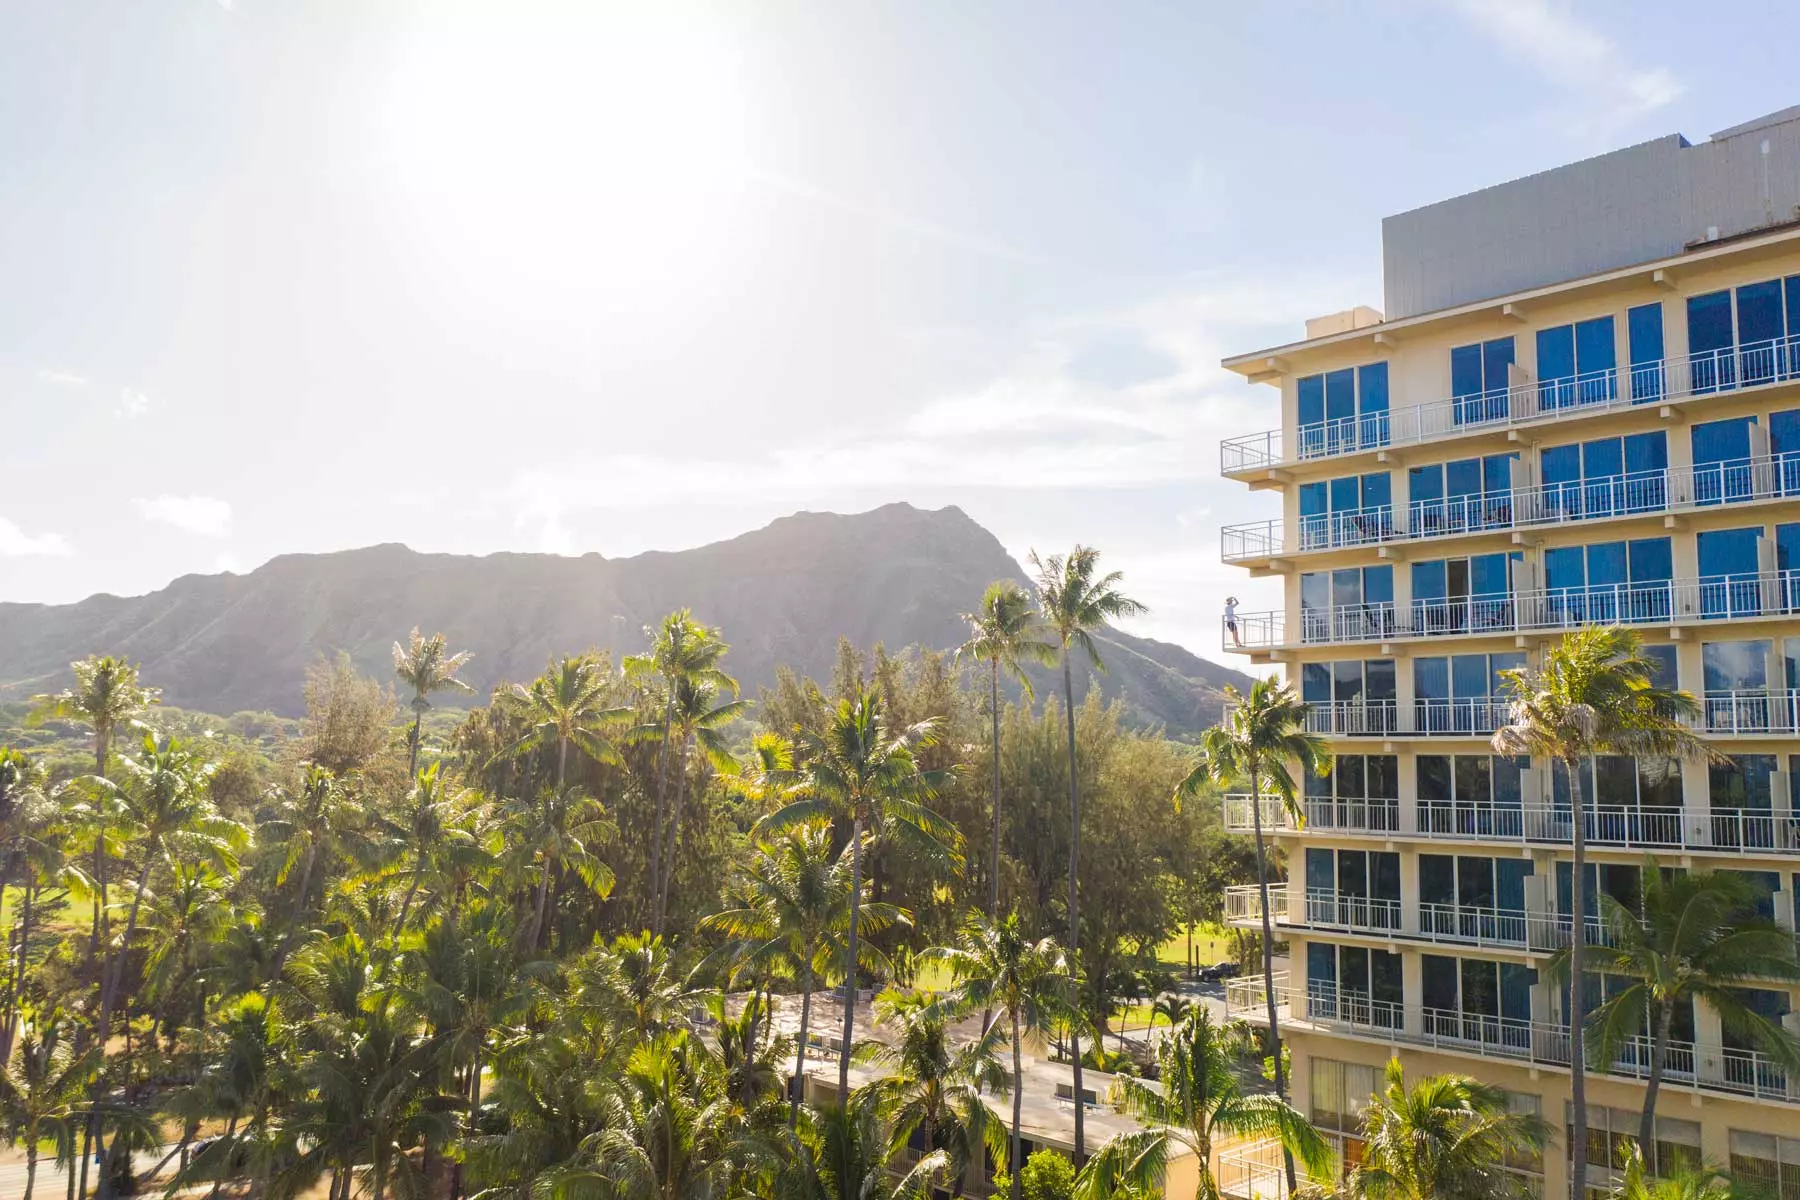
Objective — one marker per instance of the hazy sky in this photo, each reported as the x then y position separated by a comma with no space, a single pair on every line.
285,276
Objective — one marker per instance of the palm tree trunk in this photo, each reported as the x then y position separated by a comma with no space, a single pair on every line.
1577,1000
12,996
1018,1099
662,776
1074,911
31,1153
412,759
681,786
412,890
798,1084
1262,882
856,829
306,871
1659,1055
994,872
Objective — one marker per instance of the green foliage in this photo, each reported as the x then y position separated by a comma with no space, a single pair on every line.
1046,1175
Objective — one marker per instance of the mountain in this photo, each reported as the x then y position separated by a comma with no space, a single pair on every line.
782,594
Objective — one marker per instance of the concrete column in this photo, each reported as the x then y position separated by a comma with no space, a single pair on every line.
1697,803
1409,804
1404,696
1409,896
1709,1043
1412,989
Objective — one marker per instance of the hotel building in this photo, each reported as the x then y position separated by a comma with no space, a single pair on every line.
1582,405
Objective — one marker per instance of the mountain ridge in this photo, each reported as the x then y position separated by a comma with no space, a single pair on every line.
783,594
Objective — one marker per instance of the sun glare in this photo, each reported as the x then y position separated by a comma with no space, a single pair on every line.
597,171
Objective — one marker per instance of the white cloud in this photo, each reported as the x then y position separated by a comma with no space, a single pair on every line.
1041,423
202,515
16,543
61,378
134,404
1577,57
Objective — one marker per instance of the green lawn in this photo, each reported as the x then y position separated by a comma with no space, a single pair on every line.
1210,944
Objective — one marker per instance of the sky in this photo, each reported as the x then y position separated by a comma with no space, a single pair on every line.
283,276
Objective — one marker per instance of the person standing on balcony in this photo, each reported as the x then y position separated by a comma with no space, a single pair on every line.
1231,620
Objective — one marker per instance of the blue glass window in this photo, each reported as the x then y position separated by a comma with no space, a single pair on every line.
1488,574
1315,683
1709,342
1564,568
1722,460
1431,678
1556,366
1428,580
1561,464
1784,445
1378,585
1787,547
1734,666
1321,966
1652,572
1342,410
1311,390
1644,326
1478,380
1760,328
1577,364
1729,566
1377,491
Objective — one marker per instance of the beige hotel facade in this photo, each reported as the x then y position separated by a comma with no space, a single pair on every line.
1581,404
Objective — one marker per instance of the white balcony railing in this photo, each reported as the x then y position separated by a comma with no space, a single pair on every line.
1474,717
1322,813
1243,902
1473,924
1751,712
1644,493
1712,1068
1747,596
1728,369
1368,914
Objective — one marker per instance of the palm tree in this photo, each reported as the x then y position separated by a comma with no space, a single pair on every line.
42,1091
106,697
1003,634
681,650
1075,603
862,772
1447,1135
1172,1008
1700,1183
424,665
794,918
1199,1101
322,816
930,1085
695,721
1697,938
430,823
997,967
32,852
843,1154
1261,734
565,706
1595,694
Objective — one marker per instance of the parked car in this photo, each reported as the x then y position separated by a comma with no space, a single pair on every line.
1225,970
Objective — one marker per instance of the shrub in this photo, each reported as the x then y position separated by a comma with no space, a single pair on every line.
1046,1175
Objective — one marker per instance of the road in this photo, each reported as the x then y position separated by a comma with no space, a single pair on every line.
52,1184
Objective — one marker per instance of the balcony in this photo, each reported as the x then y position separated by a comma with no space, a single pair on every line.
1478,717
1329,1006
1326,814
1361,914
1763,364
1752,713
1642,494
1749,596
1243,902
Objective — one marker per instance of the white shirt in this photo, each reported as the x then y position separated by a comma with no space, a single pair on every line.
1231,610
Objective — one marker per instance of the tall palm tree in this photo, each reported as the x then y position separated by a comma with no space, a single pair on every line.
1172,1008
996,966
681,650
431,825
1695,939
106,697
426,666
696,720
1262,733
794,918
42,1090
1596,693
866,774
31,852
1447,1135
1199,1101
166,815
1075,600
1003,633
315,823
566,706
930,1084
843,1154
